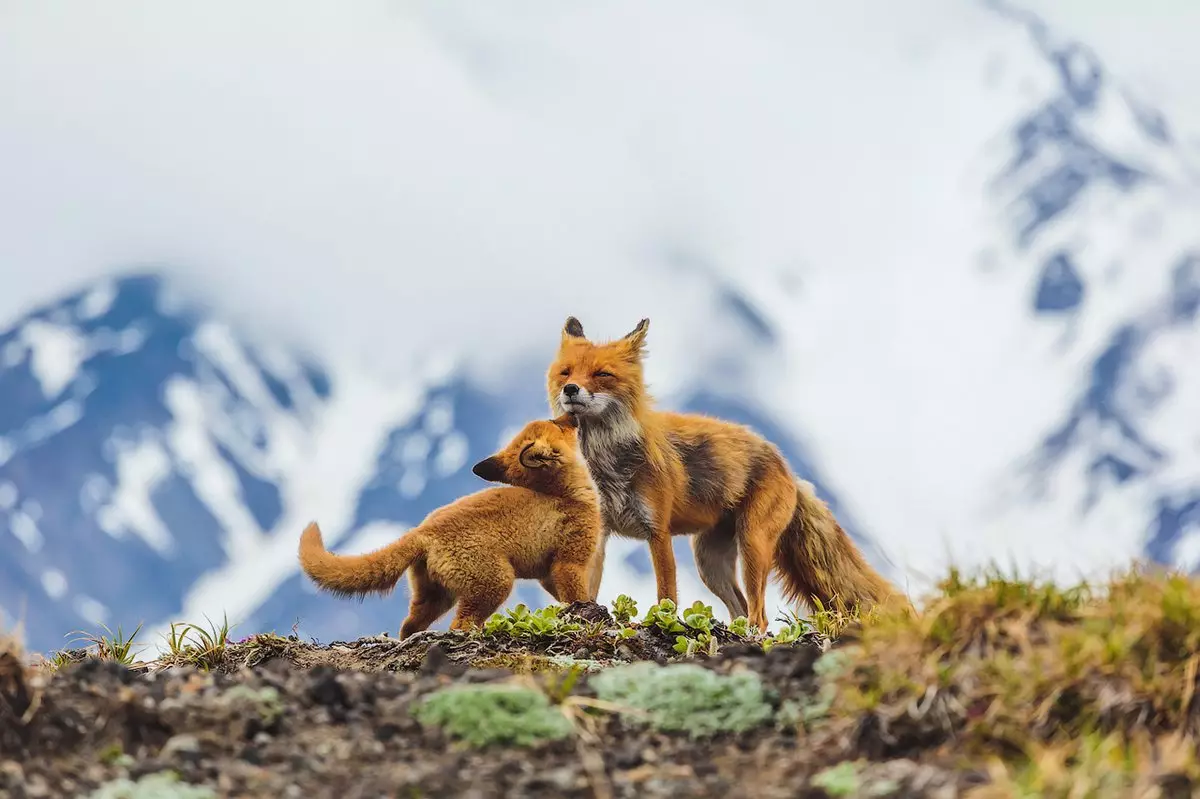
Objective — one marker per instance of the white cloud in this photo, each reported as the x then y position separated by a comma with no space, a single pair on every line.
416,173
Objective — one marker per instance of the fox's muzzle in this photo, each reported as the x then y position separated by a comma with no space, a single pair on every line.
489,469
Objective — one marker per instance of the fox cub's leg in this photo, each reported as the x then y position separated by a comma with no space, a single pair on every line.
430,601
716,554
488,587
571,580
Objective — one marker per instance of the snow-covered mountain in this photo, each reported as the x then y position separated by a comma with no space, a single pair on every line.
156,467
158,462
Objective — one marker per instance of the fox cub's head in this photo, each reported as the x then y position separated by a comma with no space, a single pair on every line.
590,379
542,457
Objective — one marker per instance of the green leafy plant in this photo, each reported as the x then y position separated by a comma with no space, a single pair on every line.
662,616
793,630
624,609
742,628
521,622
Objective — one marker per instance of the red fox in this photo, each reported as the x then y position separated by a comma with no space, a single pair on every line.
544,524
661,474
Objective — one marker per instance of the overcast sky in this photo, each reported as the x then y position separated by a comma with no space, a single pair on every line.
347,174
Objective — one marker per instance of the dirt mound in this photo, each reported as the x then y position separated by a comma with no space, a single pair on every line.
997,688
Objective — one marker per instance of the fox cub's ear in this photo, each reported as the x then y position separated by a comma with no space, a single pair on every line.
636,338
572,328
537,455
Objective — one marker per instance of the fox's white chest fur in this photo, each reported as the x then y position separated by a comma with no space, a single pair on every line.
615,454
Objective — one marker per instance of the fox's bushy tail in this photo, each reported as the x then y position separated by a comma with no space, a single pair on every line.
816,560
356,575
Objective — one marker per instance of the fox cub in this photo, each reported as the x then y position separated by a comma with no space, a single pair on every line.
544,524
661,474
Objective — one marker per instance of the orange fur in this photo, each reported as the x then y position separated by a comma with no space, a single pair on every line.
661,474
544,524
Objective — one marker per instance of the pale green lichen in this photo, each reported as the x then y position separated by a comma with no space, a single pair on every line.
687,697
488,714
160,785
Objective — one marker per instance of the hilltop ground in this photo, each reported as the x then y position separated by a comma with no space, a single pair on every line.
997,688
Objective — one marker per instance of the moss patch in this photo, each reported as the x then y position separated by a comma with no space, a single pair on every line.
494,714
686,697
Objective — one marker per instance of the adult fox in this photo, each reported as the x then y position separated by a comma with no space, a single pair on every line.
661,474
544,524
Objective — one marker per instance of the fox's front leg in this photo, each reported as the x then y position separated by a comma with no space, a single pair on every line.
596,567
662,556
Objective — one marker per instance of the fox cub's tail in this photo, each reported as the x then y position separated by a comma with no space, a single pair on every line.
355,575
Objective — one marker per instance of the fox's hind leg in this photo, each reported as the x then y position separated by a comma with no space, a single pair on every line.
488,588
760,520
430,600
716,553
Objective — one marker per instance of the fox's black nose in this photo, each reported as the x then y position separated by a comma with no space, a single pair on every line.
570,389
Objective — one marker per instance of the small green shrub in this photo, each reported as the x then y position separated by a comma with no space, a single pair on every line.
521,622
624,609
487,714
687,697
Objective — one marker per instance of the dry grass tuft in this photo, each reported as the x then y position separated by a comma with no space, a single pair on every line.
1046,680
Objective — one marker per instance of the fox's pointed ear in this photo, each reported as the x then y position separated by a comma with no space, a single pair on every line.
572,328
636,338
567,421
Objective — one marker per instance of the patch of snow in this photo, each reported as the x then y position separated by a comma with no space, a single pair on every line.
94,493
97,301
8,495
506,436
56,353
140,466
54,583
26,530
415,449
439,418
12,354
216,342
412,483
452,454
92,610
32,509
1187,551
323,482
190,438
372,536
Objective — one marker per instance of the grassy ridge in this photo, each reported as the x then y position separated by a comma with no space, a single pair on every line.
1022,687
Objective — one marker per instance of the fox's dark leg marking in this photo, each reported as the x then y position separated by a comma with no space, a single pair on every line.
716,553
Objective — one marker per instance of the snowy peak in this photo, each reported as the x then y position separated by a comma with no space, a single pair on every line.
141,445
1099,199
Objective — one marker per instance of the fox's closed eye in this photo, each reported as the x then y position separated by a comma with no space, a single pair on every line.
602,374
565,372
